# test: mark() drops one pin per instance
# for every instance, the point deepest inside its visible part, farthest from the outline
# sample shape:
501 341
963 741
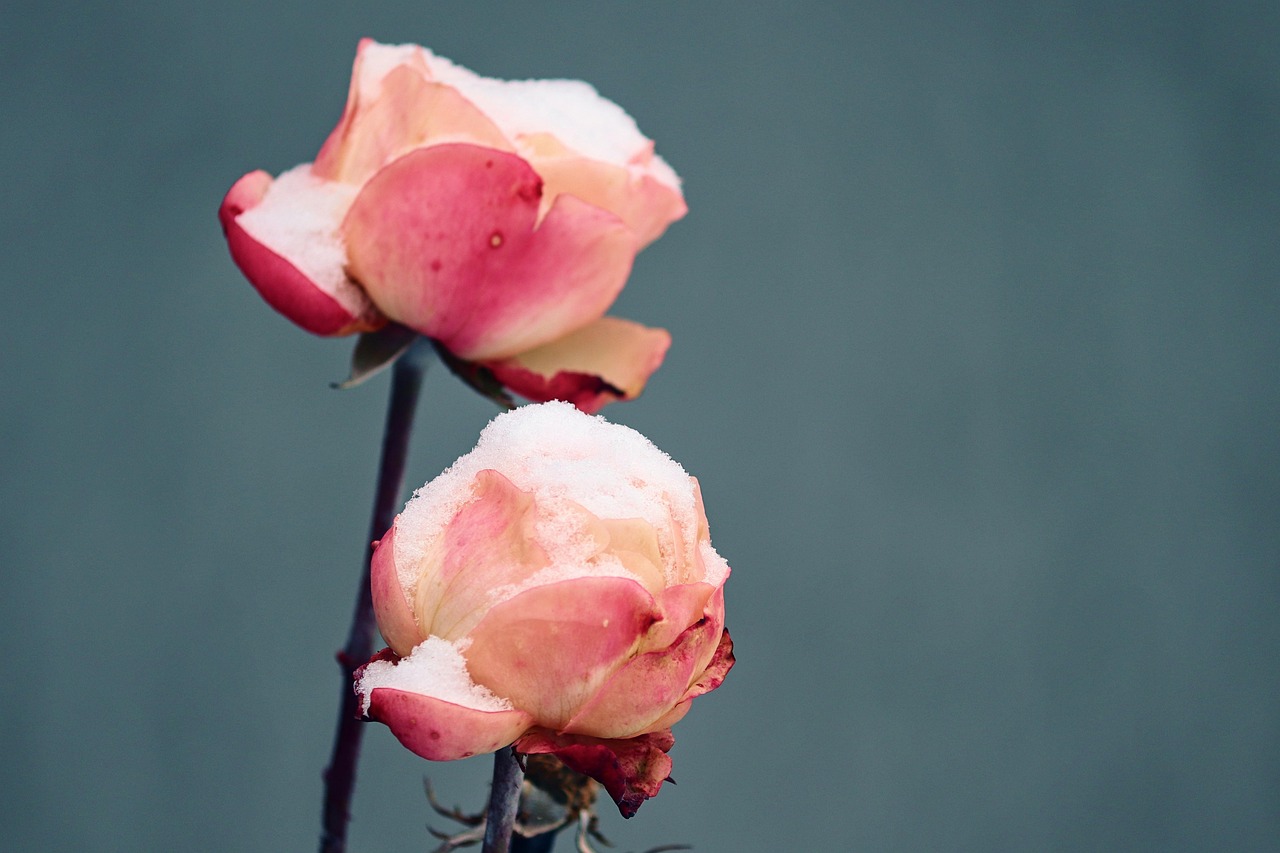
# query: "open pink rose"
556 588
499 218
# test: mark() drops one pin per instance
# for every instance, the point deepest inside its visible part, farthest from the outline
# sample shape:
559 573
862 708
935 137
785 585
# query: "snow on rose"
556 588
499 218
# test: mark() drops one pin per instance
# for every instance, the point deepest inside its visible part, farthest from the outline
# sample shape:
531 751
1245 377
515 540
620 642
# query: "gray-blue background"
975 318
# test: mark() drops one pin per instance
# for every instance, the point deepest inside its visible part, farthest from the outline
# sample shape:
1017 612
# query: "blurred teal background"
976 319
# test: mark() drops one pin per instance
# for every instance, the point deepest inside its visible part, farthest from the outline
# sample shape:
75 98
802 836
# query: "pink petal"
646 204
395 617
440 730
549 649
682 606
393 106
721 662
631 770
280 281
446 240
608 360
489 543
711 678
649 686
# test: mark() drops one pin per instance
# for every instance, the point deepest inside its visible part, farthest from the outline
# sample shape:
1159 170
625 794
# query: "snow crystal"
299 220
435 668
717 568
379 60
570 110
557 453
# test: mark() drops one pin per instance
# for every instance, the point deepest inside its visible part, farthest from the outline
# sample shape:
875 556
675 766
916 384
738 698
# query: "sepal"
631 770
375 352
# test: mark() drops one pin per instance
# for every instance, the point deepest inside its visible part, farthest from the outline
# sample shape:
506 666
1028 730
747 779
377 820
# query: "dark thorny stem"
340 775
504 797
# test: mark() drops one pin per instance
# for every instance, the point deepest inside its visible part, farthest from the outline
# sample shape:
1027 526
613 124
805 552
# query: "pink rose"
556 588
499 218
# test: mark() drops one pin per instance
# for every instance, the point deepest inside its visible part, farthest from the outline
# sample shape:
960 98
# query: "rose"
499 218
555 588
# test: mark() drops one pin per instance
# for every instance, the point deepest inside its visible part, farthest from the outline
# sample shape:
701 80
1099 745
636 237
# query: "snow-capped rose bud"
555 588
499 218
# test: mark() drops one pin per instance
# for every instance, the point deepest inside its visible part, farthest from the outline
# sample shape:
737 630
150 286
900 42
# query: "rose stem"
504 797
340 775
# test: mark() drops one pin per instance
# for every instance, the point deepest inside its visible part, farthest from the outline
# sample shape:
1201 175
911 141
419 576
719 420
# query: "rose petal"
634 543
444 240
395 617
647 203
721 662
440 730
489 543
631 770
608 360
712 677
320 308
588 392
558 118
548 653
393 106
649 685
682 606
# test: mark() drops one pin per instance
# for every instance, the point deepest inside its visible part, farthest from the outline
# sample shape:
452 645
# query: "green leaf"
375 351
479 377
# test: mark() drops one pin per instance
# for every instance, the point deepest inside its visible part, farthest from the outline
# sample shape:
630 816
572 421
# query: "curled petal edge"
648 686
395 617
682 606
394 105
722 660
712 677
606 361
646 205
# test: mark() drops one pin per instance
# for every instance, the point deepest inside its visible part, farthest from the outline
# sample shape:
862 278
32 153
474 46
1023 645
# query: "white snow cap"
571 110
556 452
435 668
300 219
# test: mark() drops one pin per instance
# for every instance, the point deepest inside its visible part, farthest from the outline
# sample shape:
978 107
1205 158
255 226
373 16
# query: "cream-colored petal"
610 359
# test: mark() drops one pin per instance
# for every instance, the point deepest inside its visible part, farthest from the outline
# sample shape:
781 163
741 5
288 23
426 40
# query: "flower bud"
499 218
555 588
